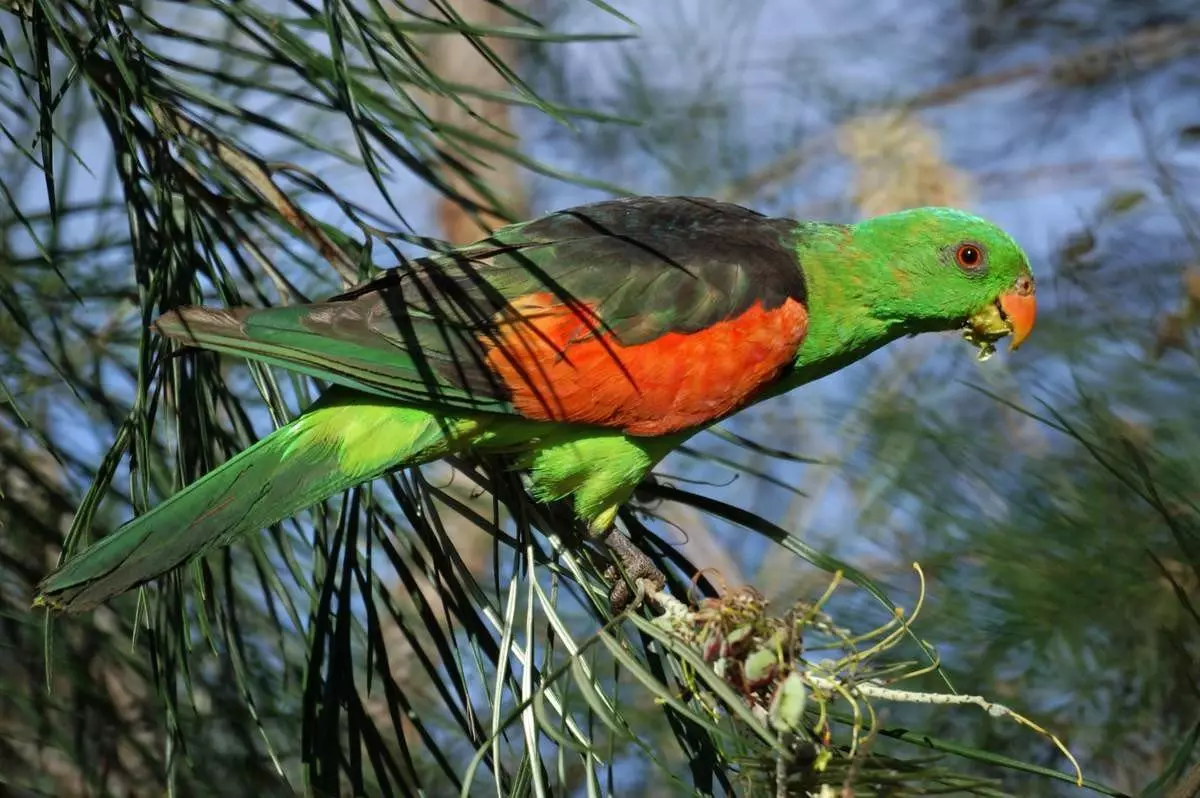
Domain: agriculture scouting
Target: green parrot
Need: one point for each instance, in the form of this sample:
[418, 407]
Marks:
[588, 343]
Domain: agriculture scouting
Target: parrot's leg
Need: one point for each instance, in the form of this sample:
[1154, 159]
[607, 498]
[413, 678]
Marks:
[600, 470]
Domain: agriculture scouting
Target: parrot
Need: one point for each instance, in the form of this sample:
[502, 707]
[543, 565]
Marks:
[586, 344]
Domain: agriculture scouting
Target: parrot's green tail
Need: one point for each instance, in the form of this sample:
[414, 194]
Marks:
[343, 440]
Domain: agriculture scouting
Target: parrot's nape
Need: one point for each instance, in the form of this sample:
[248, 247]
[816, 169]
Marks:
[589, 342]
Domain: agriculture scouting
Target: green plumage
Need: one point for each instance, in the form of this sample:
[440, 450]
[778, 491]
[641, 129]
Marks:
[340, 442]
[410, 352]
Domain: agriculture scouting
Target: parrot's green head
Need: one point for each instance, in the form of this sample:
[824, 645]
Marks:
[945, 269]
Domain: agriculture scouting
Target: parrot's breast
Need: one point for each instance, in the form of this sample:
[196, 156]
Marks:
[559, 364]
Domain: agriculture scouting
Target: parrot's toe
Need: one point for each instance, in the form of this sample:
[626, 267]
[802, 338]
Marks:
[628, 574]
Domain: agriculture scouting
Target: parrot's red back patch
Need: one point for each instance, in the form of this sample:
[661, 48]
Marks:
[560, 365]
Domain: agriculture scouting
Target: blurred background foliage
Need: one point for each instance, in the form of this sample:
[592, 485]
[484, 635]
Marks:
[273, 150]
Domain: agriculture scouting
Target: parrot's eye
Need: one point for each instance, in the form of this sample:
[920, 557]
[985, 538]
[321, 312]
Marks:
[969, 256]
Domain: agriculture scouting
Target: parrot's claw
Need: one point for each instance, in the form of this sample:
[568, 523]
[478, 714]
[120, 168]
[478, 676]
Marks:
[633, 567]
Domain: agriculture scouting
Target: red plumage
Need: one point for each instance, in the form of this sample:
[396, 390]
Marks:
[560, 365]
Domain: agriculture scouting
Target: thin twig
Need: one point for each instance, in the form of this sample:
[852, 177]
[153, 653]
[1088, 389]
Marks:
[870, 689]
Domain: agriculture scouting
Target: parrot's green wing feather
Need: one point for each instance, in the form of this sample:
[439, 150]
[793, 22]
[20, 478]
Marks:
[421, 333]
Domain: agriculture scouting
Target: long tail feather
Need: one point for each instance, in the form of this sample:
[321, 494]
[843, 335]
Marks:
[342, 441]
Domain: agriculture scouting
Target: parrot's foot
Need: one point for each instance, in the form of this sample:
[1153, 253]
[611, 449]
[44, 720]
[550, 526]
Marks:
[634, 566]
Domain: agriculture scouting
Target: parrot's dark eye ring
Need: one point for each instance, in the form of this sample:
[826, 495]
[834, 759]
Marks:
[969, 256]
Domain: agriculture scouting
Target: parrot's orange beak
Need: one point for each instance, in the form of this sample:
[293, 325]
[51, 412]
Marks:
[1020, 309]
[1012, 313]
